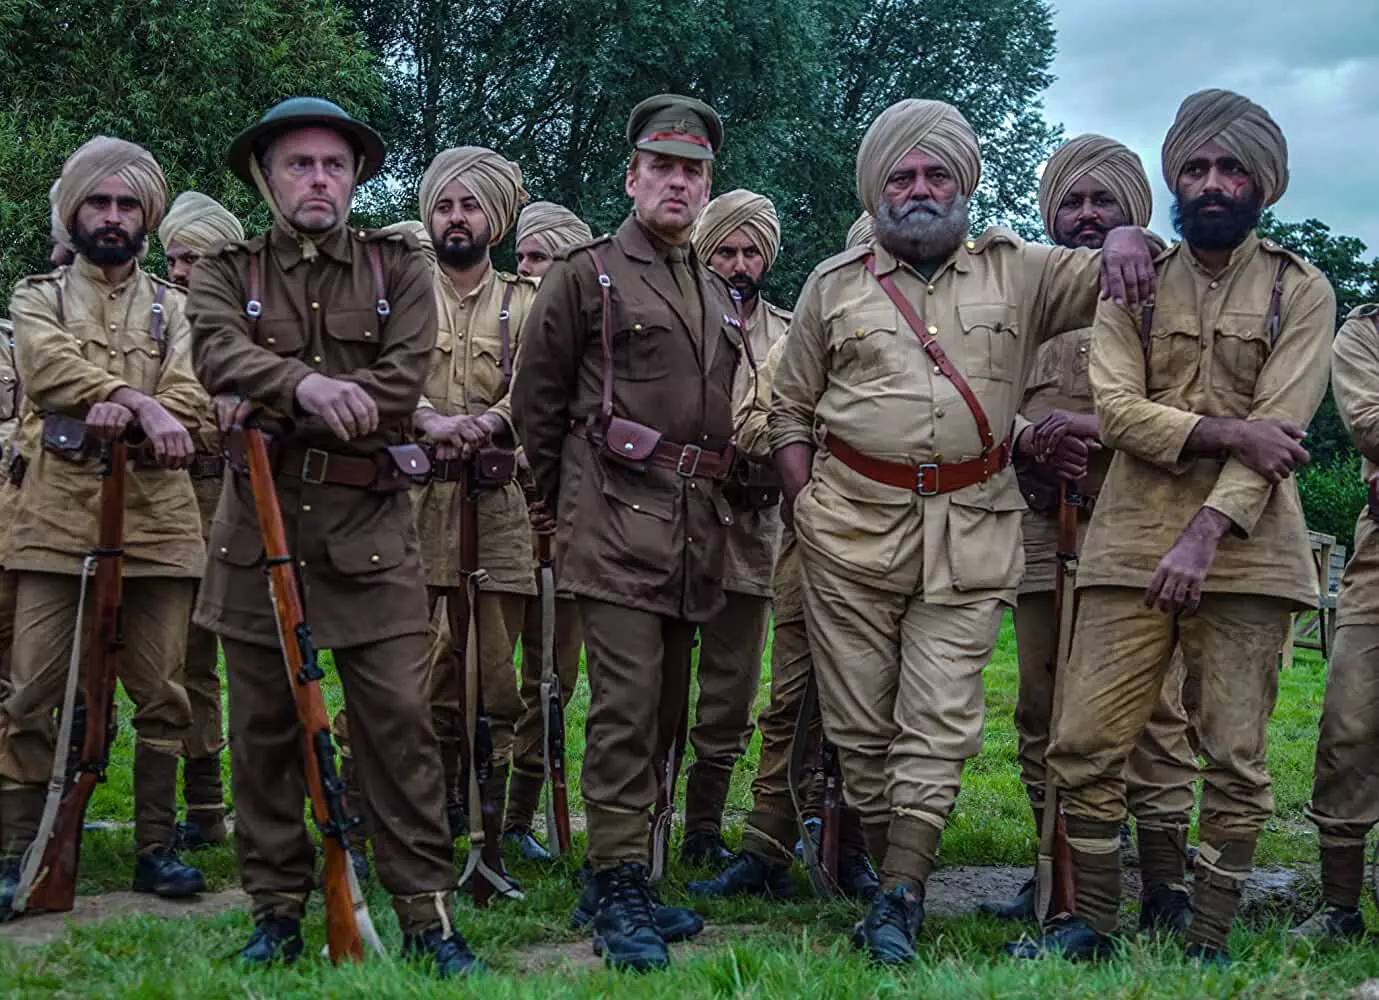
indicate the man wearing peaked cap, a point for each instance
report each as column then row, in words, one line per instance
column 544, row 228
column 913, row 352
column 624, row 406
column 1090, row 185
column 1197, row 540
column 104, row 342
column 335, row 327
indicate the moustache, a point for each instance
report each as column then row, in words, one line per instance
column 111, row 231
column 1211, row 198
column 461, row 231
column 925, row 205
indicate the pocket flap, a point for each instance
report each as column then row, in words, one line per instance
column 995, row 316
column 638, row 495
column 281, row 336
column 631, row 441
column 369, row 554
column 1000, row 493
column 357, row 325
column 238, row 545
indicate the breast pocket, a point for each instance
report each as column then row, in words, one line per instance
column 1175, row 350
column 1240, row 350
column 991, row 341
column 143, row 359
column 440, row 370
column 864, row 345
column 284, row 336
column 357, row 331
column 641, row 351
column 486, row 371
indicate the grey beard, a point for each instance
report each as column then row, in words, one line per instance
column 916, row 234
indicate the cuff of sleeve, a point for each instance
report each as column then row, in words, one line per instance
column 102, row 392
column 1241, row 494
column 786, row 436
column 1176, row 427
column 500, row 411
column 283, row 396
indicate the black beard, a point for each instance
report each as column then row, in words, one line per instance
column 1217, row 230
column 461, row 255
column 921, row 231
column 746, row 286
column 103, row 255
column 1076, row 238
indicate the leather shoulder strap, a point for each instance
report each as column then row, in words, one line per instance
column 158, row 325
column 253, row 306
column 605, row 336
column 61, row 312
column 1146, row 325
column 382, row 307
column 935, row 352
column 504, row 334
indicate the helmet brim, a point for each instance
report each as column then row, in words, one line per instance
column 367, row 144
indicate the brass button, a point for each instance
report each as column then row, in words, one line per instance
column 636, row 328
column 375, row 558
column 938, row 412
column 1082, row 350
column 1214, row 284
column 931, row 289
column 694, row 486
column 362, row 234
column 971, row 245
column 306, row 508
column 636, row 506
column 301, row 563
column 932, row 330
column 113, row 352
column 271, row 340
column 368, row 334
column 315, row 307
column 858, row 332
column 689, row 538
column 315, row 359
column 112, row 326
column 224, row 551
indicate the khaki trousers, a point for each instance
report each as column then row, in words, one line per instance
column 1345, row 784
column 1162, row 768
column 1121, row 655
column 639, row 667
column 206, row 734
column 730, row 647
column 155, row 611
column 900, row 683
column 529, row 745
column 399, row 769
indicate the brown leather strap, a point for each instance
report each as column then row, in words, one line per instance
column 61, row 313
column 504, row 340
column 382, row 307
column 157, row 328
column 935, row 352
column 928, row 478
column 253, row 306
column 605, row 336
column 1273, row 322
column 1146, row 324
column 687, row 460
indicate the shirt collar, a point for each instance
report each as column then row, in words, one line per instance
column 288, row 252
column 90, row 272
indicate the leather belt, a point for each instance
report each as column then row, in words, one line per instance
column 206, row 466
column 311, row 465
column 926, row 479
column 686, row 460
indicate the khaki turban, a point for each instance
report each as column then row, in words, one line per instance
column 752, row 213
column 494, row 181
column 414, row 228
column 933, row 127
column 1243, row 129
column 860, row 232
column 103, row 157
column 57, row 231
column 1110, row 162
column 554, row 226
column 199, row 223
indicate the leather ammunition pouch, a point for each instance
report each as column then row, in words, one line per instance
column 207, row 466
column 389, row 470
column 1040, row 493
column 753, row 485
column 493, row 468
column 15, row 467
column 68, row 438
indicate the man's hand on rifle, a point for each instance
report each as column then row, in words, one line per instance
column 107, row 420
column 542, row 519
column 173, row 447
column 459, row 436
column 347, row 409
column 231, row 409
column 1063, row 441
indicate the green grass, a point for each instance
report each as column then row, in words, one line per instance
column 770, row 950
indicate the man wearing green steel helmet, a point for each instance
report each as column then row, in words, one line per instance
column 333, row 327
column 623, row 401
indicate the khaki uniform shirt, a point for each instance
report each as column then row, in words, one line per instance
column 69, row 358
column 645, row 539
column 357, row 553
column 852, row 364
column 1210, row 355
column 1355, row 379
column 466, row 377
column 754, row 539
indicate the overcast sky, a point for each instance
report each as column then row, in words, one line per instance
column 1123, row 66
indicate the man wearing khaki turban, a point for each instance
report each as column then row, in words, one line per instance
column 469, row 199
column 1091, row 185
column 543, row 229
column 103, row 342
column 59, row 238
column 862, row 230
column 1197, row 540
column 194, row 226
column 913, row 353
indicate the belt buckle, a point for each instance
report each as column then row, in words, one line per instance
column 315, row 455
column 919, row 479
column 688, row 465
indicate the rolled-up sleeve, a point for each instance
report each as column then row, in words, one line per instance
column 802, row 373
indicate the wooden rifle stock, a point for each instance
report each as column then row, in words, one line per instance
column 345, row 909
column 833, row 794
column 55, row 887
column 557, row 794
column 1063, row 892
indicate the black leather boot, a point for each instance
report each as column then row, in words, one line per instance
column 704, row 849
column 1020, row 907
column 856, row 877
column 747, row 875
column 625, row 931
column 527, row 845
column 1067, row 937
column 9, row 885
column 275, row 940
column 1330, row 923
column 887, row 933
column 449, row 956
column 1165, row 910
column 676, row 923
column 164, row 874
column 1209, row 955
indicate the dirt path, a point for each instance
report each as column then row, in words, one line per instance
column 42, row 928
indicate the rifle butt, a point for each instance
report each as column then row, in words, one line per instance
column 562, row 816
column 343, row 939
column 55, row 889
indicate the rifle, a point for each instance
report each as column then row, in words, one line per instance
column 833, row 794
column 485, row 862
column 348, row 924
column 48, row 871
column 820, row 860
column 552, row 711
column 663, row 812
column 1055, row 891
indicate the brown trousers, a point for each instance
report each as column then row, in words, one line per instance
column 639, row 668
column 156, row 610
column 1162, row 769
column 1121, row 654
column 730, row 647
column 399, row 769
column 1345, row 784
column 529, row 746
column 9, row 588
column 206, row 737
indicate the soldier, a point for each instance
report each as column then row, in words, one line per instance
column 624, row 406
column 195, row 225
column 543, row 229
column 1344, row 803
column 469, row 200
column 1197, row 539
column 738, row 235
column 862, row 230
column 336, row 327
column 62, row 252
column 908, row 522
column 105, row 342
column 1090, row 186
column 11, row 469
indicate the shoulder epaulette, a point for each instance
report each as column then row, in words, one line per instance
column 169, row 285
column 777, row 311
column 839, row 260
column 1166, row 253
column 37, row 279
column 992, row 236
column 1366, row 310
column 407, row 239
column 252, row 245
column 564, row 253
column 1274, row 247
column 518, row 279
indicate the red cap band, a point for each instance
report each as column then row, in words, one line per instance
column 675, row 137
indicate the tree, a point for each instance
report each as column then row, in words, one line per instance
column 549, row 83
column 180, row 77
